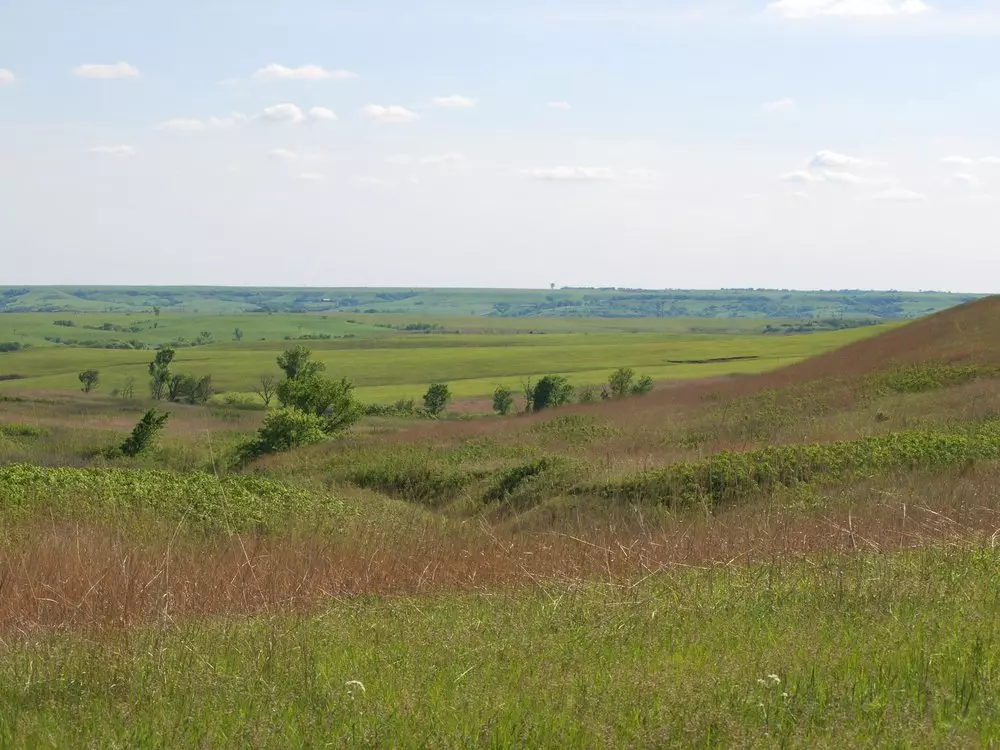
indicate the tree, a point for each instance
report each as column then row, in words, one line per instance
column 159, row 372
column 189, row 389
column 297, row 362
column 642, row 386
column 238, row 335
column 144, row 433
column 503, row 400
column 156, row 311
column 128, row 390
column 266, row 388
column 620, row 381
column 332, row 400
column 437, row 398
column 552, row 390
column 90, row 379
column 529, row 394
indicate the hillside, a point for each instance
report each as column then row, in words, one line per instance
column 506, row 303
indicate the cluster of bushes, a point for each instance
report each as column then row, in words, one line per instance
column 12, row 346
column 925, row 377
column 555, row 390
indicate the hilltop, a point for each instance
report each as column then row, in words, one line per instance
column 608, row 302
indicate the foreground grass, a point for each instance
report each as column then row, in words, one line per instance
column 846, row 651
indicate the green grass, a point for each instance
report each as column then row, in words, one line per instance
column 396, row 366
column 854, row 651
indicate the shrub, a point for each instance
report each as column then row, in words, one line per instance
column 89, row 379
column 437, row 398
column 332, row 400
column 144, row 434
column 552, row 390
column 284, row 429
column 503, row 400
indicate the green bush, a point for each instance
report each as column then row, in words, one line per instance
column 284, row 429
column 503, row 400
column 144, row 434
column 551, row 391
column 437, row 398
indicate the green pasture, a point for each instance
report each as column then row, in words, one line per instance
column 394, row 365
column 852, row 651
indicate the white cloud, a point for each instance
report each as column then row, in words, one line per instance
column 6, row 76
column 390, row 114
column 968, row 161
column 831, row 159
column 322, row 114
column 283, row 154
column 455, row 101
column 118, row 151
column 778, row 106
column 194, row 125
column 801, row 195
column 283, row 113
column 960, row 161
column 405, row 160
column 898, row 195
column 275, row 72
column 802, row 176
column 799, row 9
column 312, row 177
column 559, row 105
column 844, row 178
column 963, row 182
column 115, row 70
column 570, row 174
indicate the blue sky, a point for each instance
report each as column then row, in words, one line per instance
column 794, row 143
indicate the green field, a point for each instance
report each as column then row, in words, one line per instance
column 386, row 365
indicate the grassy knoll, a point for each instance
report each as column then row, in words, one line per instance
column 871, row 650
column 394, row 366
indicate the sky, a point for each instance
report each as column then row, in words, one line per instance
column 811, row 144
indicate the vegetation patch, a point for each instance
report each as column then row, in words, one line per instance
column 232, row 503
column 575, row 428
column 926, row 377
column 727, row 476
column 413, row 477
column 21, row 430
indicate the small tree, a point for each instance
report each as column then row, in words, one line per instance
column 144, row 433
column 528, row 389
column 620, row 382
column 503, row 400
column 90, row 379
column 238, row 335
column 552, row 390
column 265, row 388
column 437, row 398
column 297, row 362
column 128, row 390
column 642, row 386
column 159, row 372
column 332, row 400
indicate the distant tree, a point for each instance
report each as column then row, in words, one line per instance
column 202, row 391
column 297, row 362
column 437, row 398
column 552, row 390
column 90, row 379
column 178, row 386
column 552, row 286
column 528, row 390
column 159, row 372
column 620, row 381
column 144, row 433
column 642, row 386
column 128, row 390
column 267, row 385
column 156, row 311
column 503, row 400
column 238, row 335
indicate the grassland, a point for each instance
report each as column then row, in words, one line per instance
column 387, row 364
column 804, row 557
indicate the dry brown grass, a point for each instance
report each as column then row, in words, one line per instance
column 95, row 577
